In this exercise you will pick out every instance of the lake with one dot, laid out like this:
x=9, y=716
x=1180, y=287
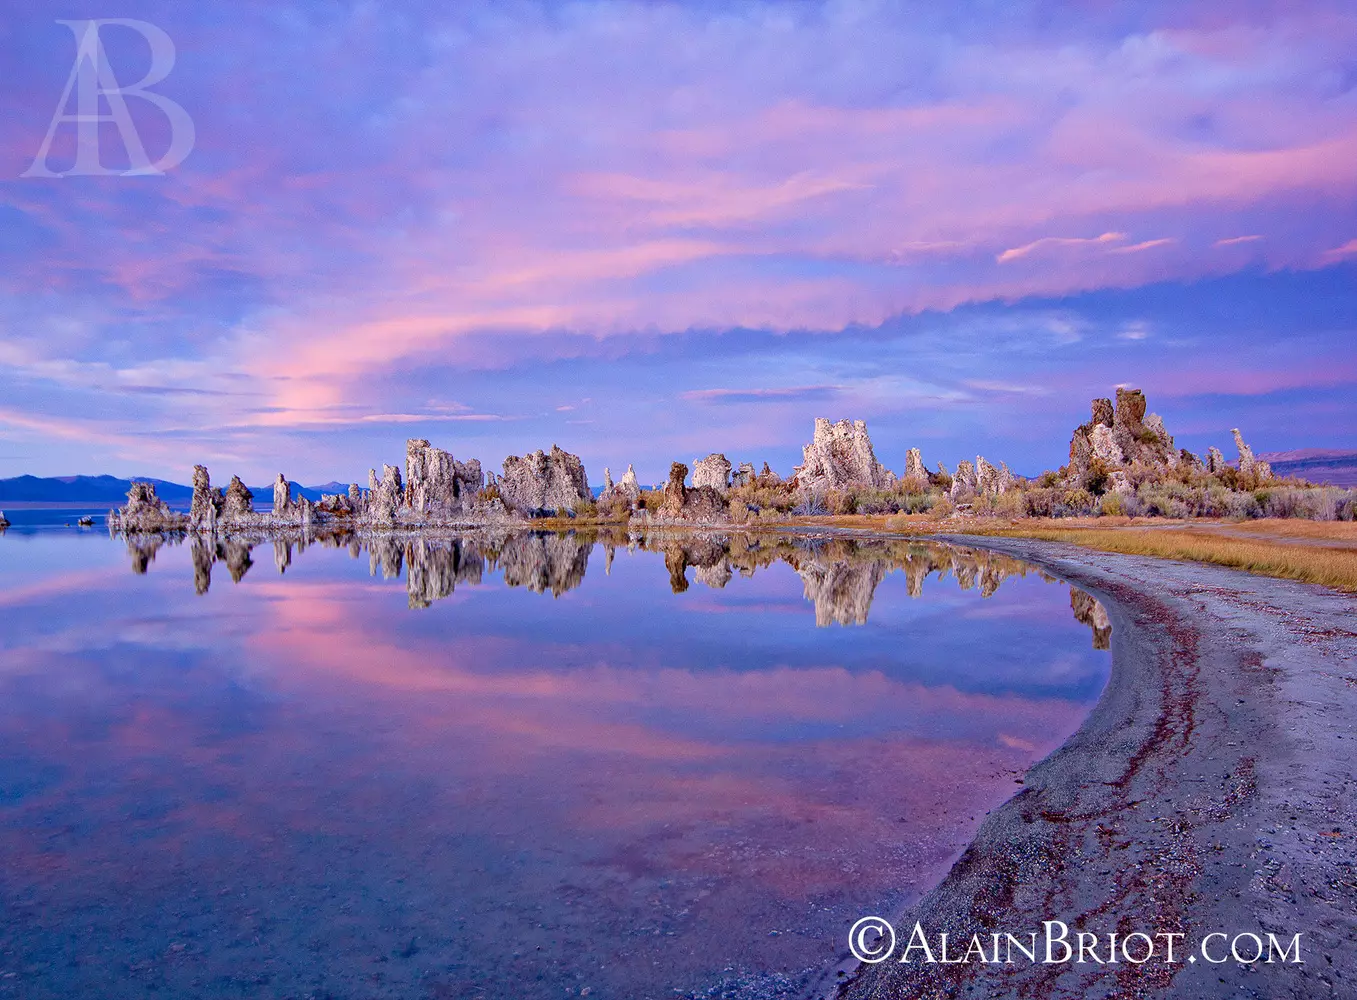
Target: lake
x=497, y=766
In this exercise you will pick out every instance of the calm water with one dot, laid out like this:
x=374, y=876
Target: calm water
x=532, y=766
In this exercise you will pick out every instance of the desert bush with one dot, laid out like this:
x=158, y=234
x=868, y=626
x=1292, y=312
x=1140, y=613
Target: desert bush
x=943, y=507
x=1010, y=504
x=1112, y=505
x=809, y=505
x=1097, y=478
x=942, y=480
x=911, y=485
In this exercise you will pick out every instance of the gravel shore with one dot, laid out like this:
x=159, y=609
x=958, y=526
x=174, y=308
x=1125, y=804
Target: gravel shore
x=1212, y=790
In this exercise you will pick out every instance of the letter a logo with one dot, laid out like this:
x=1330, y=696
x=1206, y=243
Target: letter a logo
x=91, y=78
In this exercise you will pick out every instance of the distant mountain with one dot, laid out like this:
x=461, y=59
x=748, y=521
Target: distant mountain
x=1319, y=465
x=110, y=489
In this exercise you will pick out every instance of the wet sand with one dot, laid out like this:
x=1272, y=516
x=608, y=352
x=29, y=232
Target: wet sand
x=1212, y=789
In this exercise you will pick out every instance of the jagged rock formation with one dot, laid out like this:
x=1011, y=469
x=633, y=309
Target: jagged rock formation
x=768, y=476
x=840, y=457
x=700, y=503
x=205, y=507
x=238, y=503
x=384, y=495
x=964, y=483
x=744, y=475
x=988, y=479
x=1247, y=463
x=626, y=491
x=1121, y=436
x=282, y=496
x=144, y=511
x=713, y=471
x=544, y=483
x=435, y=482
x=914, y=465
x=1215, y=461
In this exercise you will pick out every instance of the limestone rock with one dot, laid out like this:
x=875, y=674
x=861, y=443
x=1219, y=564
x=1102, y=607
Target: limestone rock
x=544, y=482
x=1247, y=463
x=626, y=490
x=769, y=477
x=840, y=457
x=384, y=496
x=989, y=479
x=713, y=471
x=206, y=505
x=1215, y=461
x=700, y=503
x=964, y=481
x=144, y=511
x=744, y=475
x=282, y=496
x=238, y=504
x=1119, y=436
x=435, y=482
x=914, y=465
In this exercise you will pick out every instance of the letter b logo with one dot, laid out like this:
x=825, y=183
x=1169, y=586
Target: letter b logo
x=91, y=78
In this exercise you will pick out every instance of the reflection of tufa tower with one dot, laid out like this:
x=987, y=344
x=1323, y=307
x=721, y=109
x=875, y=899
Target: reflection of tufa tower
x=1087, y=610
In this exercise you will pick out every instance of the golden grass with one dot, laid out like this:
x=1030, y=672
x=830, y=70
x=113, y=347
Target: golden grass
x=1329, y=566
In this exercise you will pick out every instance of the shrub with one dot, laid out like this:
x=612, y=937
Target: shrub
x=1112, y=505
x=943, y=507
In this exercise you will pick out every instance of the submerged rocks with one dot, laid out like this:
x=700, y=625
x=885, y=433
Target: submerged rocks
x=839, y=457
x=544, y=482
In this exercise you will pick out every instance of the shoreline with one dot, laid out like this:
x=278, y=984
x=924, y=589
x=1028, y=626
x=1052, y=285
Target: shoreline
x=1210, y=789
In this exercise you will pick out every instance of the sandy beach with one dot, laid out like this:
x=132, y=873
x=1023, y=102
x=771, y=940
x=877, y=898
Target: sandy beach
x=1211, y=790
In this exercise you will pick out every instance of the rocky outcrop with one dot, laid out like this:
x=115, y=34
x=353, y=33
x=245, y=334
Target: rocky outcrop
x=989, y=479
x=699, y=503
x=282, y=496
x=840, y=457
x=963, y=480
x=384, y=496
x=626, y=491
x=1118, y=437
x=544, y=483
x=205, y=508
x=144, y=511
x=1215, y=461
x=713, y=471
x=435, y=482
x=237, y=506
x=914, y=465
x=1249, y=465
x=744, y=475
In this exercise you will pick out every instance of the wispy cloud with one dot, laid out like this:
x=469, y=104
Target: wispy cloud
x=788, y=394
x=1017, y=253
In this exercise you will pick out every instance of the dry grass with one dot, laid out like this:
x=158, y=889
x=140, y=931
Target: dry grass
x=1329, y=566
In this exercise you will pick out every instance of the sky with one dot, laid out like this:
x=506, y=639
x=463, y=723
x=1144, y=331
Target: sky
x=649, y=231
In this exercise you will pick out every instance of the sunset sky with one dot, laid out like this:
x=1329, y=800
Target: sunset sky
x=647, y=231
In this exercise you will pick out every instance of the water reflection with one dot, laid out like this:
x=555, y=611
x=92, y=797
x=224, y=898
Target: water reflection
x=297, y=786
x=840, y=574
